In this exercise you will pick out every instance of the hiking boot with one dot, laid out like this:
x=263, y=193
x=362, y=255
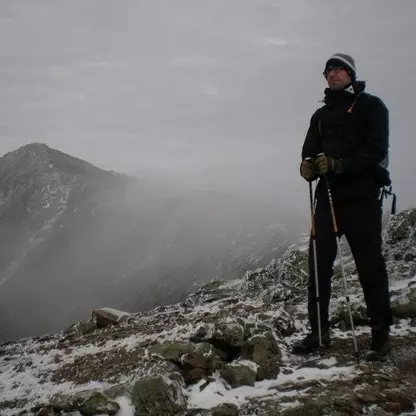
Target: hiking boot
x=380, y=345
x=311, y=343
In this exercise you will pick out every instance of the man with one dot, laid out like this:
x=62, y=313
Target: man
x=346, y=143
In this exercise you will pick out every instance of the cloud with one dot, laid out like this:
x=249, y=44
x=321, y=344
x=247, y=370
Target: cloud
x=270, y=41
x=210, y=89
x=194, y=61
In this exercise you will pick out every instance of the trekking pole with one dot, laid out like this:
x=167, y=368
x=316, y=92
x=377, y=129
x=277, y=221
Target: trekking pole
x=315, y=264
x=344, y=280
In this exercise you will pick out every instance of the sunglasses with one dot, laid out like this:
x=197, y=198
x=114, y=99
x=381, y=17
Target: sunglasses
x=333, y=68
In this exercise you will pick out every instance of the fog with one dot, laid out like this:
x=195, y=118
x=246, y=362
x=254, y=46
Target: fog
x=207, y=94
x=75, y=238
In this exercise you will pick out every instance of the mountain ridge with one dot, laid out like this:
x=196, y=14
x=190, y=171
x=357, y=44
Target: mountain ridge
x=66, y=224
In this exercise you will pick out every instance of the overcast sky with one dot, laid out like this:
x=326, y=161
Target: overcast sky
x=214, y=93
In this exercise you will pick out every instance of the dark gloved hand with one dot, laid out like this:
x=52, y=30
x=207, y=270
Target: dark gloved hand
x=326, y=164
x=308, y=169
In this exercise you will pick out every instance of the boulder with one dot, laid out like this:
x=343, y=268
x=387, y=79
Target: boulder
x=87, y=402
x=225, y=336
x=98, y=404
x=107, y=316
x=265, y=352
x=171, y=350
x=195, y=361
x=239, y=374
x=225, y=409
x=158, y=396
x=404, y=306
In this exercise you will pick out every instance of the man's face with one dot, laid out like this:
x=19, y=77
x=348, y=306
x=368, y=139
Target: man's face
x=337, y=77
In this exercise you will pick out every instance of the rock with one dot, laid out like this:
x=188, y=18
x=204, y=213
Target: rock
x=402, y=226
x=346, y=402
x=117, y=390
x=176, y=376
x=313, y=387
x=199, y=412
x=265, y=352
x=200, y=362
x=195, y=361
x=86, y=402
x=370, y=397
x=158, y=396
x=391, y=407
x=341, y=316
x=284, y=325
x=377, y=411
x=212, y=291
x=405, y=306
x=98, y=404
x=107, y=316
x=45, y=411
x=239, y=374
x=287, y=371
x=81, y=328
x=228, y=335
x=204, y=356
x=409, y=256
x=308, y=409
x=225, y=336
x=203, y=333
x=402, y=402
x=62, y=403
x=255, y=328
x=225, y=409
x=194, y=375
x=293, y=266
x=171, y=350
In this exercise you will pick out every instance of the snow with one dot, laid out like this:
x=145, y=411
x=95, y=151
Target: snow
x=126, y=406
x=217, y=392
x=402, y=328
x=247, y=363
x=39, y=235
x=16, y=384
x=329, y=362
x=402, y=283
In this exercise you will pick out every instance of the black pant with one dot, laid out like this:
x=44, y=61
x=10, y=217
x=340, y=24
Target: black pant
x=360, y=220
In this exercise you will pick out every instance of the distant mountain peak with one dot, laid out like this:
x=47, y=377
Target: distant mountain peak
x=40, y=159
x=32, y=152
x=33, y=147
x=38, y=148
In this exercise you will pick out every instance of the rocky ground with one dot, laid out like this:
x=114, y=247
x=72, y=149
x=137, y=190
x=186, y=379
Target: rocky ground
x=225, y=351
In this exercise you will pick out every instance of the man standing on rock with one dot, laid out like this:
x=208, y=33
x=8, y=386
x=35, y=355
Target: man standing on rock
x=347, y=144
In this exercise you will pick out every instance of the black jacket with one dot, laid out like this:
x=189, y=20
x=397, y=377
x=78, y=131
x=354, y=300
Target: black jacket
x=353, y=127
